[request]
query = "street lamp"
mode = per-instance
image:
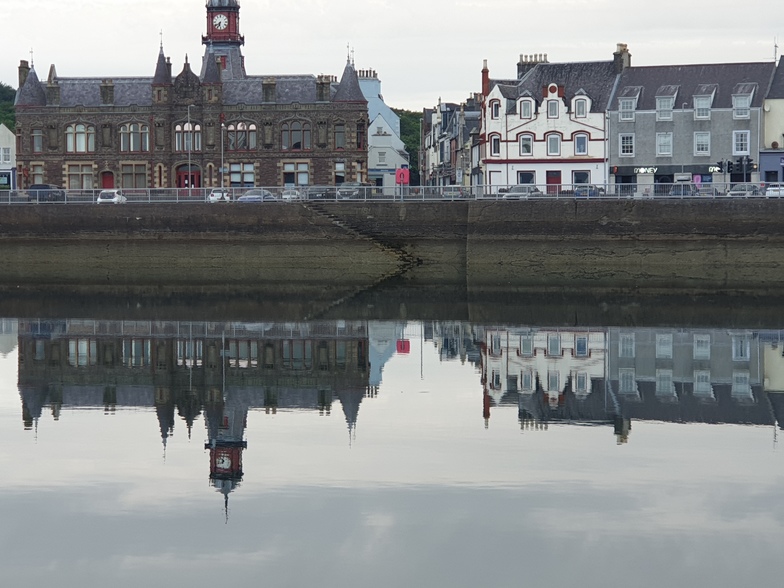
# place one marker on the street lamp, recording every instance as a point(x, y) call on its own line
point(223, 129)
point(189, 138)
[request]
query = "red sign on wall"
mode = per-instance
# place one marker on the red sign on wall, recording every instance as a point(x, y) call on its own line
point(402, 175)
point(403, 346)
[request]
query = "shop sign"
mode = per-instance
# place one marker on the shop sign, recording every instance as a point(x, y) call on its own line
point(646, 170)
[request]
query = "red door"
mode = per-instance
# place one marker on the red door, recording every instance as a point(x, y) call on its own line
point(183, 181)
point(107, 180)
point(553, 182)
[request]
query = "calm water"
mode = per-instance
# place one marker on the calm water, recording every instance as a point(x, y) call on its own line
point(389, 454)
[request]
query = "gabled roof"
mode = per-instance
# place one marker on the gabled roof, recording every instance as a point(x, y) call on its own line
point(699, 80)
point(595, 78)
point(777, 85)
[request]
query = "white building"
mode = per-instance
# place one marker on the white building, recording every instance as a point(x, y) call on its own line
point(7, 159)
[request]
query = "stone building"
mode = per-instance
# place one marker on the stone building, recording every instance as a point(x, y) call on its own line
point(181, 130)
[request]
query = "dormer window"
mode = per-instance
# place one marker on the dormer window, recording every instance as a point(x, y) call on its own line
point(552, 109)
point(664, 107)
point(702, 107)
point(626, 107)
point(741, 106)
point(526, 111)
point(580, 108)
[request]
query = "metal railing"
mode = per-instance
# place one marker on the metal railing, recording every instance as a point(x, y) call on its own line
point(352, 192)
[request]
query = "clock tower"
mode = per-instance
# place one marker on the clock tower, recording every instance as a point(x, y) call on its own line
point(223, 23)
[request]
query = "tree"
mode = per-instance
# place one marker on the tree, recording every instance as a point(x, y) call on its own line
point(7, 94)
point(409, 132)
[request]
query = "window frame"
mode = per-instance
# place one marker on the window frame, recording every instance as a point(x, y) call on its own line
point(553, 110)
point(706, 152)
point(577, 138)
point(664, 107)
point(526, 137)
point(553, 137)
point(736, 135)
point(663, 140)
point(133, 135)
point(621, 137)
point(526, 109)
point(626, 109)
point(702, 107)
point(580, 108)
point(741, 106)
point(79, 138)
point(495, 109)
point(495, 145)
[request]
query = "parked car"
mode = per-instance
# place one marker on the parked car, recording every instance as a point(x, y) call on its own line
point(258, 195)
point(453, 192)
point(682, 190)
point(290, 195)
point(744, 190)
point(321, 193)
point(774, 189)
point(45, 193)
point(351, 190)
point(587, 191)
point(219, 195)
point(522, 191)
point(708, 191)
point(111, 197)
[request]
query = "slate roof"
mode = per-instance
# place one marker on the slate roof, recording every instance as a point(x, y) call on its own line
point(161, 70)
point(777, 85)
point(348, 89)
point(595, 78)
point(32, 93)
point(288, 89)
point(694, 80)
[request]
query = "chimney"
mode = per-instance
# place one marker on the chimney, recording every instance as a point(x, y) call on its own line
point(53, 92)
point(622, 58)
point(107, 92)
point(322, 88)
point(168, 66)
point(268, 93)
point(24, 69)
point(485, 79)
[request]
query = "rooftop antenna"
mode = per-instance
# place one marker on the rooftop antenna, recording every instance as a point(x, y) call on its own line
point(775, 49)
point(31, 58)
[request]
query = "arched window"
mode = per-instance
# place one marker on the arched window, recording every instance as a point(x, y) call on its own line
point(187, 136)
point(581, 144)
point(495, 144)
point(79, 138)
point(495, 109)
point(134, 137)
point(295, 135)
point(553, 144)
point(241, 136)
point(526, 145)
point(580, 108)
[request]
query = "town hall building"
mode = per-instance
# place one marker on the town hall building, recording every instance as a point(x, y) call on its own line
point(219, 126)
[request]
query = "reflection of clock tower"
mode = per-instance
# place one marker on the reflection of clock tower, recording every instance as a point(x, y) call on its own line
point(223, 37)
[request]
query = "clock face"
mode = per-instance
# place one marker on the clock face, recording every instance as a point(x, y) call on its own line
point(220, 21)
point(223, 462)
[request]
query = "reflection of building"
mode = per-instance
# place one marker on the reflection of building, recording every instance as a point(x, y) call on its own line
point(223, 370)
point(457, 340)
point(773, 374)
point(8, 335)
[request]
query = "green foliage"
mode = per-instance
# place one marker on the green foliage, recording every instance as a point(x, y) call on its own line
point(7, 94)
point(409, 133)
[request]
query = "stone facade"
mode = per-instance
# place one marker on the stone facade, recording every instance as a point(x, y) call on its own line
point(87, 133)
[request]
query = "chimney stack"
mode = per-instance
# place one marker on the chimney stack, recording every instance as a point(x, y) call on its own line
point(24, 69)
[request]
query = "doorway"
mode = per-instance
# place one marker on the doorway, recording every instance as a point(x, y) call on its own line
point(107, 180)
point(553, 182)
point(186, 179)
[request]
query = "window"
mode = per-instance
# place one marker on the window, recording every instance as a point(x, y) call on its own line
point(5, 155)
point(740, 348)
point(495, 145)
point(187, 137)
point(296, 136)
point(526, 145)
point(581, 346)
point(525, 109)
point(526, 177)
point(702, 107)
point(495, 109)
point(627, 381)
point(581, 383)
point(581, 145)
point(552, 109)
point(553, 381)
point(36, 173)
point(136, 353)
point(38, 140)
point(80, 138)
point(241, 175)
point(527, 345)
point(702, 144)
point(664, 108)
point(297, 355)
point(495, 344)
point(82, 352)
point(134, 137)
point(741, 387)
point(241, 137)
point(553, 144)
point(626, 109)
point(626, 144)
point(553, 344)
point(360, 136)
point(702, 347)
point(740, 142)
point(664, 384)
point(382, 157)
point(741, 106)
point(340, 172)
point(133, 175)
point(495, 380)
point(80, 177)
point(663, 144)
point(340, 136)
point(702, 383)
point(527, 381)
point(296, 173)
point(626, 345)
point(580, 108)
point(664, 346)
point(581, 177)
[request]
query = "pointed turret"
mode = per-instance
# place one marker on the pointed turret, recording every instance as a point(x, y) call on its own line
point(348, 88)
point(211, 72)
point(32, 92)
point(162, 74)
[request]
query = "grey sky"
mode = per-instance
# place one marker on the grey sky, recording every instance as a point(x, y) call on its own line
point(421, 50)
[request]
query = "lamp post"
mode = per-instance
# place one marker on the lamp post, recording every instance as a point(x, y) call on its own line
point(189, 138)
point(223, 129)
point(683, 109)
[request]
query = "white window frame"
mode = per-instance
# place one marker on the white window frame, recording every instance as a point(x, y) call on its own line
point(552, 109)
point(626, 108)
point(626, 345)
point(702, 346)
point(663, 144)
point(664, 346)
point(495, 109)
point(554, 345)
point(581, 382)
point(741, 348)
point(526, 139)
point(702, 108)
point(741, 107)
point(526, 109)
point(553, 381)
point(527, 380)
point(580, 108)
point(621, 137)
point(581, 346)
point(557, 143)
point(741, 384)
point(495, 145)
point(627, 381)
point(576, 143)
point(706, 142)
point(665, 385)
point(526, 345)
point(739, 138)
point(702, 384)
point(664, 106)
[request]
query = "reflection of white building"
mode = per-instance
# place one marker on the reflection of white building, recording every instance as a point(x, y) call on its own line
point(9, 329)
point(553, 360)
point(382, 341)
